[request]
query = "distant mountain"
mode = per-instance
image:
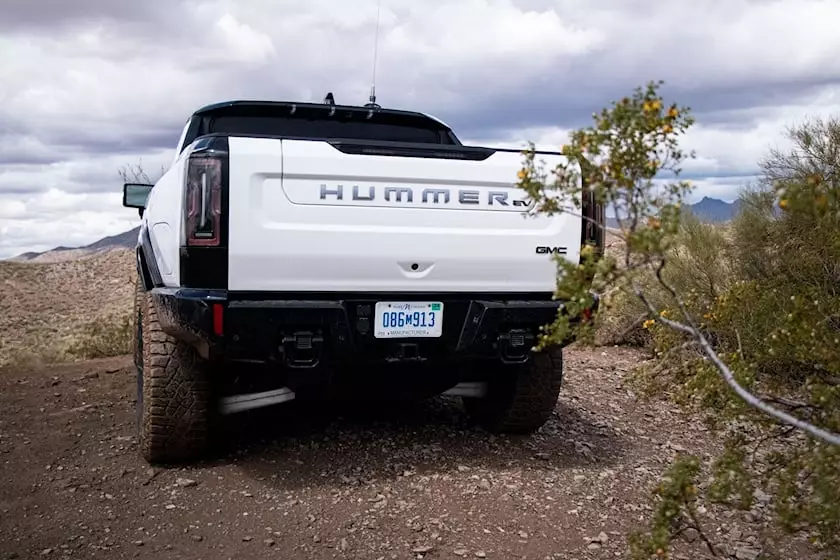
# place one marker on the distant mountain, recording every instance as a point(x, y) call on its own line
point(714, 210)
point(710, 210)
point(125, 240)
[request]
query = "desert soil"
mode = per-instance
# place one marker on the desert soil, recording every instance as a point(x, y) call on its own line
point(417, 482)
point(44, 304)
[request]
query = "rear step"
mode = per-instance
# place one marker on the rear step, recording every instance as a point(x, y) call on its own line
point(469, 389)
point(249, 401)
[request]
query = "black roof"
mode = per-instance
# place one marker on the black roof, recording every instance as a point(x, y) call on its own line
point(294, 106)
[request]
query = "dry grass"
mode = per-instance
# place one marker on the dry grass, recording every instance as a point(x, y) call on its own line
point(57, 311)
point(618, 321)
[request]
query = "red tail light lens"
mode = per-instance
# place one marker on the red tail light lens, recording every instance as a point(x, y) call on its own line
point(203, 201)
point(218, 319)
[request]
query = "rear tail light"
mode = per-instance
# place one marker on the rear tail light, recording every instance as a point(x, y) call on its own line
point(203, 191)
point(593, 221)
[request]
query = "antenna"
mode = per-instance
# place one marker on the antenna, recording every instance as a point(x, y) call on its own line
point(372, 100)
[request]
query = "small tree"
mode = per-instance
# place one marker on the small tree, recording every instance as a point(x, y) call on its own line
point(134, 173)
point(621, 160)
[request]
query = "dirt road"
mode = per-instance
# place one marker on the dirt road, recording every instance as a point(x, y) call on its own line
point(417, 482)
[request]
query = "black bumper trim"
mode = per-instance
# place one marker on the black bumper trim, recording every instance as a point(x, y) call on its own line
point(254, 329)
point(185, 313)
point(483, 316)
point(147, 262)
point(286, 304)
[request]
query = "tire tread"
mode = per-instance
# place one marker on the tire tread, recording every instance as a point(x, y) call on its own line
point(522, 398)
point(176, 393)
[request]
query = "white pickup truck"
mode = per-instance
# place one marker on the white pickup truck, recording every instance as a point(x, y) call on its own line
point(308, 249)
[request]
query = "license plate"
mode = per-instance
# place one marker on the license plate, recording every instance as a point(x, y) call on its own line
point(408, 319)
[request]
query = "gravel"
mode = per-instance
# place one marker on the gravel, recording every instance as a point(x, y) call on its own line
point(389, 482)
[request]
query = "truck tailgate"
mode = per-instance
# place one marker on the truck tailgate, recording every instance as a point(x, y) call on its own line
point(304, 216)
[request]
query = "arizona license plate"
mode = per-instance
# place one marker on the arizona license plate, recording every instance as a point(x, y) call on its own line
point(408, 319)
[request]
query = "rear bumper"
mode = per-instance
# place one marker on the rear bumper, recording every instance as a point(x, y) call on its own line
point(305, 330)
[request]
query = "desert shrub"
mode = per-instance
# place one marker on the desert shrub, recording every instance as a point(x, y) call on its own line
point(744, 319)
point(775, 319)
point(675, 513)
point(104, 337)
point(700, 265)
point(620, 322)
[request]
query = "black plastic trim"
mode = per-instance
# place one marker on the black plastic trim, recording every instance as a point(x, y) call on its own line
point(387, 147)
point(148, 263)
point(185, 313)
point(255, 328)
point(411, 149)
point(294, 106)
point(296, 110)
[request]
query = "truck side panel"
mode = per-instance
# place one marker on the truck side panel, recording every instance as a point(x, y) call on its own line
point(163, 218)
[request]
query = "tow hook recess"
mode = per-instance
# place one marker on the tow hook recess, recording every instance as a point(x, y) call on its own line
point(302, 349)
point(406, 352)
point(515, 345)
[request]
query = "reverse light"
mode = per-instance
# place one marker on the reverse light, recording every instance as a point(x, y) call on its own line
point(203, 192)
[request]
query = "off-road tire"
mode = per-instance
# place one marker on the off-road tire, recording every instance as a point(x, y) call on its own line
point(136, 317)
point(521, 397)
point(173, 394)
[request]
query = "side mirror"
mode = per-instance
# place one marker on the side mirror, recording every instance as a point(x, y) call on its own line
point(135, 195)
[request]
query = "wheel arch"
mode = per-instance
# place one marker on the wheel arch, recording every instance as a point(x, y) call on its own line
point(147, 268)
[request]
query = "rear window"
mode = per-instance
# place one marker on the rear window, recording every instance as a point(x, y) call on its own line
point(328, 128)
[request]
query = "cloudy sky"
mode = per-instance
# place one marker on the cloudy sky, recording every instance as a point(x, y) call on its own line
point(90, 85)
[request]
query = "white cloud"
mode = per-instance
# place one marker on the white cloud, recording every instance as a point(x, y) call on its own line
point(82, 174)
point(242, 42)
point(13, 210)
point(91, 85)
point(45, 220)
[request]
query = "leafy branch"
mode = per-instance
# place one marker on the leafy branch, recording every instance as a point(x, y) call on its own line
point(617, 161)
point(734, 313)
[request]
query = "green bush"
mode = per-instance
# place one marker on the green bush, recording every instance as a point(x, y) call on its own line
point(753, 305)
point(700, 265)
point(768, 291)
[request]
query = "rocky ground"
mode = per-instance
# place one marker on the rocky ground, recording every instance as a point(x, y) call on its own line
point(418, 482)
